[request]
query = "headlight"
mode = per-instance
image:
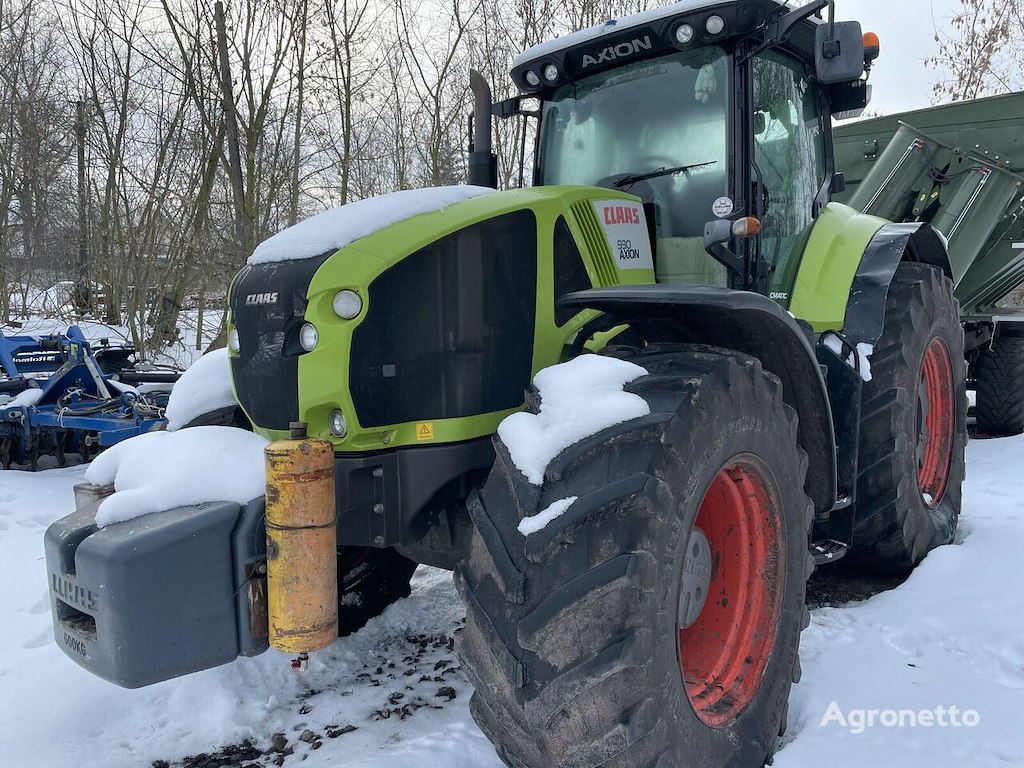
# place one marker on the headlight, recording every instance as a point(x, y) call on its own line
point(308, 337)
point(715, 25)
point(551, 73)
point(532, 78)
point(233, 344)
point(684, 34)
point(337, 423)
point(347, 304)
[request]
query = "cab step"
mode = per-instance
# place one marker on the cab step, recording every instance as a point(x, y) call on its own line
point(828, 551)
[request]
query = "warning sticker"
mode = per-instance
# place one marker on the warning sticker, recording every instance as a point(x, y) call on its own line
point(625, 226)
point(425, 431)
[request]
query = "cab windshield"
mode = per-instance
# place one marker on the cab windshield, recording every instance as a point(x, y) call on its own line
point(657, 129)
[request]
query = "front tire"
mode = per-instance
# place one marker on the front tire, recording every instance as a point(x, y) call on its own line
point(655, 622)
point(913, 431)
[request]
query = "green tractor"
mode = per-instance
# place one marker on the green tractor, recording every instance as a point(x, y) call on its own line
point(801, 367)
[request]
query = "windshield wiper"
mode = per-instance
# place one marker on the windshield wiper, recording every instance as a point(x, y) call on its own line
point(633, 178)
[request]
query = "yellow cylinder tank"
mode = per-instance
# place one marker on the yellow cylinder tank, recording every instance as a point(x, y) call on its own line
point(302, 566)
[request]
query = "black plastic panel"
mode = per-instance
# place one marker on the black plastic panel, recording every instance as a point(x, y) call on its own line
point(403, 482)
point(570, 272)
point(892, 245)
point(268, 302)
point(449, 329)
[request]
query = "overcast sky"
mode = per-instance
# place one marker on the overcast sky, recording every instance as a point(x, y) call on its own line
point(907, 30)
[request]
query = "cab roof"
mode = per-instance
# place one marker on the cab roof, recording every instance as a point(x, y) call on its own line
point(655, 29)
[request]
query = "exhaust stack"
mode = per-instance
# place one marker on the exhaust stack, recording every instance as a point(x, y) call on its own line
point(483, 163)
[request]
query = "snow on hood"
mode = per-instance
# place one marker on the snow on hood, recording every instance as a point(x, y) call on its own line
point(578, 399)
point(204, 387)
point(336, 228)
point(157, 471)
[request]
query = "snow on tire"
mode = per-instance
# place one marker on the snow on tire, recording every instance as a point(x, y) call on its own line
point(656, 620)
point(913, 431)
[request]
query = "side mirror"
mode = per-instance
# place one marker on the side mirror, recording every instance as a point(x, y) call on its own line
point(839, 52)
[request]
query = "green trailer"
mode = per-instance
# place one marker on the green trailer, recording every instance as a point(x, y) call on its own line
point(959, 167)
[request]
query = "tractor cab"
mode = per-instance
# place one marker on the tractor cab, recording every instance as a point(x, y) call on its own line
point(708, 111)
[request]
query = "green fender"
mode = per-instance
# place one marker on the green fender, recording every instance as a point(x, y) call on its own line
point(842, 277)
point(828, 265)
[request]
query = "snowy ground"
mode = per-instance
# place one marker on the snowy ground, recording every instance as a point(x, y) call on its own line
point(951, 636)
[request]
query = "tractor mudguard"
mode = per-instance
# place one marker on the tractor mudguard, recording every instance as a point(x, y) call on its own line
point(841, 279)
point(745, 322)
point(891, 245)
point(159, 596)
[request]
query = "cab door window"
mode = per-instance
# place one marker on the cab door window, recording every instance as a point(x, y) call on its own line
point(789, 154)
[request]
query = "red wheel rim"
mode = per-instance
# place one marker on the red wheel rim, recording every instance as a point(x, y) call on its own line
point(935, 417)
point(724, 653)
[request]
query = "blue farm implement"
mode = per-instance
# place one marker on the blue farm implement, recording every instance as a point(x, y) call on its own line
point(61, 395)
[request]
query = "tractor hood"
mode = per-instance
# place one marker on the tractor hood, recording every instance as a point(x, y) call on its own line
point(269, 296)
point(416, 311)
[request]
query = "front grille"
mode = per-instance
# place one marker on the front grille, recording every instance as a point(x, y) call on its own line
point(266, 379)
point(597, 243)
point(449, 330)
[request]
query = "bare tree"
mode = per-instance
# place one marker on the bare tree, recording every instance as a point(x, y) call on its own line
point(502, 32)
point(981, 49)
point(335, 100)
point(435, 68)
point(34, 150)
point(352, 52)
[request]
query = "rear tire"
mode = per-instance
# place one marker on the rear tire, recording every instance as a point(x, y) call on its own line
point(572, 636)
point(1000, 387)
point(369, 580)
point(913, 427)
